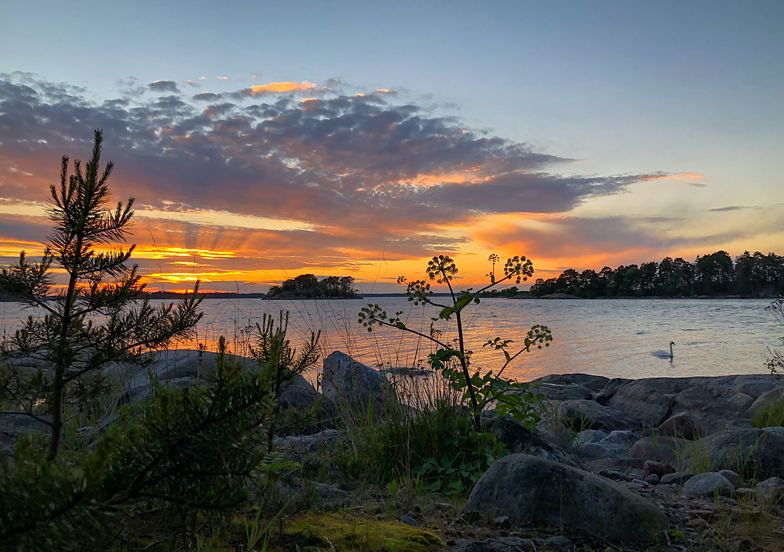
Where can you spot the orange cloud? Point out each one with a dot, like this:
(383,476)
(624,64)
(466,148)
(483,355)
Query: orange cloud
(688,176)
(281,87)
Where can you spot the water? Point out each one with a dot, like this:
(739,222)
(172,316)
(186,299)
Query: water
(610,337)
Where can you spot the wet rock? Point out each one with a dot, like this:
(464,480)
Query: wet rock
(534,490)
(682,425)
(652,479)
(708,484)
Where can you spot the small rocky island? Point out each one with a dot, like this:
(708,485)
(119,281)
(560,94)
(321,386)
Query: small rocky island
(615,464)
(308,286)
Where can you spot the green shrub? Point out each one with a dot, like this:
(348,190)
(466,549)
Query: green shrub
(437,450)
(769,415)
(183,456)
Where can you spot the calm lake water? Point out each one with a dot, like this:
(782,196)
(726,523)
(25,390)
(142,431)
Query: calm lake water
(611,337)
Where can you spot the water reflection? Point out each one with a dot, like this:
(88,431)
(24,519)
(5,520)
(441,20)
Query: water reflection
(608,337)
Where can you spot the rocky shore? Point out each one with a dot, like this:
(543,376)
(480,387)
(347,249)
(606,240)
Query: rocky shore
(657,463)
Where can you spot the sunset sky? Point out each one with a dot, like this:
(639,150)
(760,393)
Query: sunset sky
(262,140)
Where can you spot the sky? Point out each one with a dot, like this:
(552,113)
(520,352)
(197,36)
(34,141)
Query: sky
(262,140)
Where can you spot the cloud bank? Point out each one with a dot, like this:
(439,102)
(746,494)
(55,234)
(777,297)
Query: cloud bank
(374,175)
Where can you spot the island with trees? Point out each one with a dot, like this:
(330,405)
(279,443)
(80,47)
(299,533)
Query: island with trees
(308,286)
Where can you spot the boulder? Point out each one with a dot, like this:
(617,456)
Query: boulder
(588,436)
(682,425)
(13,425)
(714,403)
(299,447)
(732,477)
(648,401)
(677,478)
(529,489)
(707,484)
(582,414)
(770,491)
(519,439)
(561,392)
(658,448)
(627,466)
(588,381)
(303,409)
(751,453)
(651,467)
(652,479)
(615,444)
(348,382)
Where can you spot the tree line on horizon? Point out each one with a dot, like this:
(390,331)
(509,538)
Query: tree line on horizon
(715,274)
(308,286)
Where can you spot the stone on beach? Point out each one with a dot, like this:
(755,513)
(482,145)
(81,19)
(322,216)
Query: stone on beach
(708,484)
(346,381)
(535,490)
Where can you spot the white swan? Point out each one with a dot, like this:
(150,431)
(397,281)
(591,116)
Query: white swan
(664,354)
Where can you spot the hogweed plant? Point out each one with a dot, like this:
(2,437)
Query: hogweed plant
(452,359)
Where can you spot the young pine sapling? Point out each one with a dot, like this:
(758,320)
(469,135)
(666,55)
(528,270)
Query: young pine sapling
(99,316)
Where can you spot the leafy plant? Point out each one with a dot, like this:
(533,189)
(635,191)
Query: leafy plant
(91,321)
(453,361)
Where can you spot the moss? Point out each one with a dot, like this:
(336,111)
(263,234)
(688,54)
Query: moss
(351,532)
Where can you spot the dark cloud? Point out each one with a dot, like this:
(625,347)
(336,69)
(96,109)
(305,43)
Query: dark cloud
(367,163)
(207,97)
(163,86)
(728,208)
(578,236)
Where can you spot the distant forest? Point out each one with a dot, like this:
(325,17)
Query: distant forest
(308,286)
(750,275)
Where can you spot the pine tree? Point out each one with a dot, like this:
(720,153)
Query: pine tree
(100,316)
